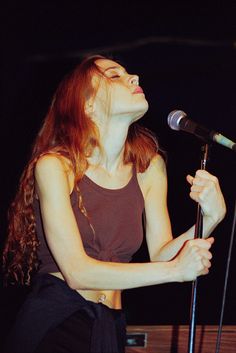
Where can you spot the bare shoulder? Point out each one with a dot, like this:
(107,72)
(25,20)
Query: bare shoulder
(153,175)
(51,161)
(157,165)
(51,170)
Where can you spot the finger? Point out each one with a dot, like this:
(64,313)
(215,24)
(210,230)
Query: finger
(196,188)
(189,179)
(200,243)
(200,184)
(206,175)
(211,240)
(204,272)
(206,263)
(204,266)
(202,181)
(199,195)
(200,253)
(195,196)
(197,181)
(205,255)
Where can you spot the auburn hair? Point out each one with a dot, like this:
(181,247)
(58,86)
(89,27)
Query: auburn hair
(67,130)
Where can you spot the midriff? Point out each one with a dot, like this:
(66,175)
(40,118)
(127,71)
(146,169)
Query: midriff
(110,298)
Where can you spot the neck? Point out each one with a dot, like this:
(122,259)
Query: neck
(112,140)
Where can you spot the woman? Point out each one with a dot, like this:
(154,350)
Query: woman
(77,218)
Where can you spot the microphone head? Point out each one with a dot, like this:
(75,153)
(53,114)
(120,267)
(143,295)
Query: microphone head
(174,119)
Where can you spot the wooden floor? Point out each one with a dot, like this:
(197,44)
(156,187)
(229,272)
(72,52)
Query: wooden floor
(174,339)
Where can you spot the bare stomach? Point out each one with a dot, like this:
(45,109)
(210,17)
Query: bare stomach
(110,298)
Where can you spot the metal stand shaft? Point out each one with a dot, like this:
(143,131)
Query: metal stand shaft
(197,234)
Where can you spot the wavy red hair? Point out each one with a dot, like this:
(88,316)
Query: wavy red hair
(66,130)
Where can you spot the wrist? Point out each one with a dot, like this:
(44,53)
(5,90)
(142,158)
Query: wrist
(216,217)
(212,220)
(176,274)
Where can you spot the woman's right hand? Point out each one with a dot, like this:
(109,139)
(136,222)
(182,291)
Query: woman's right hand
(194,259)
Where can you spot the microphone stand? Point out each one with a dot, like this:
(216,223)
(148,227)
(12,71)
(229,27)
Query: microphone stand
(197,234)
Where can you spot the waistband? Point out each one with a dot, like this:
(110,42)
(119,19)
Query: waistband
(50,302)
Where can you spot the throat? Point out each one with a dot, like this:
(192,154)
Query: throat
(108,160)
(110,180)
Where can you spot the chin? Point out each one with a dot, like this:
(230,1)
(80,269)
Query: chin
(139,115)
(135,113)
(142,109)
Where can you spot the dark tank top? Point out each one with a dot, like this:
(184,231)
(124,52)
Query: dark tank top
(113,229)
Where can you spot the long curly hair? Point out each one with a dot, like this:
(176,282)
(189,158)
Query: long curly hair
(66,130)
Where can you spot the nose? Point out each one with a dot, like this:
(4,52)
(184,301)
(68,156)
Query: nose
(134,80)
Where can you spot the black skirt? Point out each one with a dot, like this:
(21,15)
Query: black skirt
(57,319)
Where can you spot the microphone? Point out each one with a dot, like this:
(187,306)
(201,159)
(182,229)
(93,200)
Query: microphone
(177,120)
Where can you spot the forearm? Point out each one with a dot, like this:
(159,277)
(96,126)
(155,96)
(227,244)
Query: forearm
(171,249)
(111,276)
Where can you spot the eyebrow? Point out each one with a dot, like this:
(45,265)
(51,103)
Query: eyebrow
(114,67)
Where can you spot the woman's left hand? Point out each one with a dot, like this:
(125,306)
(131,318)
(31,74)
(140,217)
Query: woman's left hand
(205,189)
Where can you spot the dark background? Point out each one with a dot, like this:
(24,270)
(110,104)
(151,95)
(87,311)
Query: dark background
(184,53)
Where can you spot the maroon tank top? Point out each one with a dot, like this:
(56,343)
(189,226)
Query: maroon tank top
(115,216)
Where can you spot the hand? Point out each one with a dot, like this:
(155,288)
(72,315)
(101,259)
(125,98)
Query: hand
(205,189)
(194,259)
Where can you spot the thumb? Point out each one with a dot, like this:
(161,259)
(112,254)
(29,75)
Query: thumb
(210,240)
(189,179)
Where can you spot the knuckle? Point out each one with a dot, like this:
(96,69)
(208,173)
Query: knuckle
(201,266)
(209,255)
(199,172)
(194,249)
(212,185)
(200,196)
(190,243)
(193,196)
(215,179)
(209,263)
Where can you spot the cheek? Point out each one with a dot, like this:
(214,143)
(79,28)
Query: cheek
(120,97)
(102,99)
(120,103)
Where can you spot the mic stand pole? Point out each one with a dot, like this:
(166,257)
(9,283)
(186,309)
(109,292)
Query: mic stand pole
(197,234)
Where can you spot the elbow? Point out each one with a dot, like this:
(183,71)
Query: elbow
(75,282)
(79,277)
(161,256)
(155,257)
(152,258)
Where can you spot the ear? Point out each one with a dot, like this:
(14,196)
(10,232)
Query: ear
(89,107)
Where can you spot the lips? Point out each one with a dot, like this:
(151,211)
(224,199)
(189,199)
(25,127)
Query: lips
(138,90)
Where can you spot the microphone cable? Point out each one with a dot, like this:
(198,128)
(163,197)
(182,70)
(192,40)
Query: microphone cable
(218,341)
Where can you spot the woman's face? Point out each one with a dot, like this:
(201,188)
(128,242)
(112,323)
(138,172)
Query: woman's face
(118,93)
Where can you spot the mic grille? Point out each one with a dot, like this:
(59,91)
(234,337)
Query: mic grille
(174,119)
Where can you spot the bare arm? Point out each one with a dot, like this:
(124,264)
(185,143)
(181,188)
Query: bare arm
(83,272)
(205,190)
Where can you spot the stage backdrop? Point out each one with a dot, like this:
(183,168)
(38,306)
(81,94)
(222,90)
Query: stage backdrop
(195,76)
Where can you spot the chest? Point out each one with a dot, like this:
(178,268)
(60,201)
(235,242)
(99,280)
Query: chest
(113,224)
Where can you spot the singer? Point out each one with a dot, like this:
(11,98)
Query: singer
(76,220)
